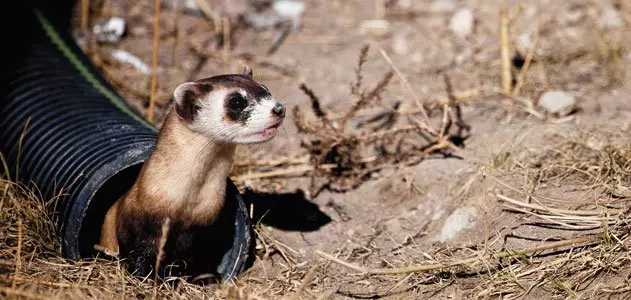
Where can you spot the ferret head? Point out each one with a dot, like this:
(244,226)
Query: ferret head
(231,108)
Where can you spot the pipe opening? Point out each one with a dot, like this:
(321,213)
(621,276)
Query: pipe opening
(103,199)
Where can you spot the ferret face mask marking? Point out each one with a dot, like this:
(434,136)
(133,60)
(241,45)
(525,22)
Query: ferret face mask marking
(230,108)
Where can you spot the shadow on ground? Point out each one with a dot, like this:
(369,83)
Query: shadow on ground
(287,211)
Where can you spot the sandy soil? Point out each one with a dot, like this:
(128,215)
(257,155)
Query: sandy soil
(442,207)
(439,202)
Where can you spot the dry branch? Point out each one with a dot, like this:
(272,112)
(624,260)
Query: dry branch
(154,62)
(507,79)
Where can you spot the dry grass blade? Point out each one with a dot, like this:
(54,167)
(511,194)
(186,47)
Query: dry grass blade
(227,38)
(529,56)
(316,107)
(154,62)
(206,9)
(363,54)
(407,85)
(18,254)
(507,79)
(85,12)
(577,241)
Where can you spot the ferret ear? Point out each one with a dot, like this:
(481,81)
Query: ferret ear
(247,71)
(186,97)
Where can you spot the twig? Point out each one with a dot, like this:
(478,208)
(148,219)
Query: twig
(315,102)
(529,56)
(549,219)
(85,11)
(308,278)
(505,52)
(226,38)
(586,240)
(442,144)
(176,40)
(18,255)
(274,173)
(407,85)
(281,35)
(560,211)
(206,9)
(154,64)
(293,160)
(54,284)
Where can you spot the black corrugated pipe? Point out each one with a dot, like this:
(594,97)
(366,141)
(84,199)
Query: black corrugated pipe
(65,132)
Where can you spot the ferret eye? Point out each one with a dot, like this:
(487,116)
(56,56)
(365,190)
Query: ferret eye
(236,102)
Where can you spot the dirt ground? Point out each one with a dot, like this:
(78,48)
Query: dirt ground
(566,177)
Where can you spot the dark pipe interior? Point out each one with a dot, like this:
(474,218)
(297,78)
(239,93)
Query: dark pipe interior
(104,197)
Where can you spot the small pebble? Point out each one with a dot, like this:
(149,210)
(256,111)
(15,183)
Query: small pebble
(557,102)
(377,28)
(128,58)
(110,31)
(610,18)
(461,218)
(462,22)
(290,10)
(596,143)
(525,40)
(400,44)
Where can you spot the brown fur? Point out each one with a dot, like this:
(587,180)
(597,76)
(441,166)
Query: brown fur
(183,180)
(190,189)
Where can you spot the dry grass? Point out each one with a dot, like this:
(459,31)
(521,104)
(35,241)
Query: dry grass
(344,149)
(591,260)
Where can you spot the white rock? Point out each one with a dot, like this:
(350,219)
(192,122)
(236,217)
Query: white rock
(610,18)
(376,28)
(462,22)
(128,58)
(417,57)
(111,31)
(461,218)
(525,40)
(289,9)
(557,102)
(400,44)
(596,142)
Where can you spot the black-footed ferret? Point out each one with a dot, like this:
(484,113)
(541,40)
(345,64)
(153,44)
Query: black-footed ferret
(184,180)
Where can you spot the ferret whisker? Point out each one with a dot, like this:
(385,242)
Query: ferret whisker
(284,130)
(286,95)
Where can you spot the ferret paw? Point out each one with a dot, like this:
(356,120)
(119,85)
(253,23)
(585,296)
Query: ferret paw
(105,250)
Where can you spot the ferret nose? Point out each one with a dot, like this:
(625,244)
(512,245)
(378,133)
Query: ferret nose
(279,110)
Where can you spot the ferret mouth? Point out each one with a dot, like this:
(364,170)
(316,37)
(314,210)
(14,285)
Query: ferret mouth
(269,131)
